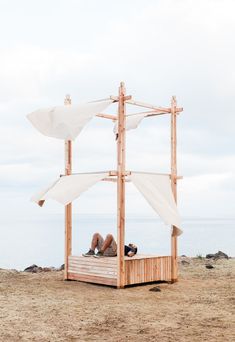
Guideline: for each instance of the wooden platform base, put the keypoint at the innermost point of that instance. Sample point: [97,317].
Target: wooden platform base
[138,269]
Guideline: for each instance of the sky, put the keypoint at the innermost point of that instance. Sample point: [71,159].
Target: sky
[86,48]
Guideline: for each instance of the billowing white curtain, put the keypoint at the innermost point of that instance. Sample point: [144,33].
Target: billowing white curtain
[157,191]
[132,121]
[67,188]
[66,122]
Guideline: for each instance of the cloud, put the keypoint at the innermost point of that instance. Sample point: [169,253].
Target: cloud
[160,49]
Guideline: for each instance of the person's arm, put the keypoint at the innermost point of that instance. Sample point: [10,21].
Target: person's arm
[130,254]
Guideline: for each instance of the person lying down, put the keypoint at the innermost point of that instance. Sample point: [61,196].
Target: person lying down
[107,247]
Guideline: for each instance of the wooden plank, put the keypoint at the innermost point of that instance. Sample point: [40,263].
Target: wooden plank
[174,267]
[156,108]
[94,261]
[104,268]
[90,268]
[93,279]
[107,116]
[113,260]
[146,270]
[94,273]
[101,265]
[68,208]
[121,186]
[93,270]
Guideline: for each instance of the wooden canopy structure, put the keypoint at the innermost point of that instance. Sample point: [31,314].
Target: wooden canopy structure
[121,271]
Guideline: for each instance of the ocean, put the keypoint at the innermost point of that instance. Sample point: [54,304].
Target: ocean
[40,240]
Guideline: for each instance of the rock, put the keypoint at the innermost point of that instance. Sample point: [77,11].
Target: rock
[185,262]
[33,269]
[218,255]
[210,256]
[155,289]
[209,267]
[61,268]
[183,256]
[48,269]
[221,255]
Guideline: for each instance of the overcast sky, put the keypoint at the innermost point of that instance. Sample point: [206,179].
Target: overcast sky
[85,48]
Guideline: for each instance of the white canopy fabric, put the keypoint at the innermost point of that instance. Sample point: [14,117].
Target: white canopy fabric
[157,191]
[66,122]
[155,188]
[132,121]
[67,188]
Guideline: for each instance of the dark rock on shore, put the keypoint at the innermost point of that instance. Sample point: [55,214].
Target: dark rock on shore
[209,267]
[36,269]
[155,289]
[218,255]
[33,269]
[185,262]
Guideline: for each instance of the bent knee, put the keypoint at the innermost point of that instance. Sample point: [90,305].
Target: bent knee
[96,235]
[109,236]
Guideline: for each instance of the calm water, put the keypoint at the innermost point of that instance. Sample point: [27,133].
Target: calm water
[41,240]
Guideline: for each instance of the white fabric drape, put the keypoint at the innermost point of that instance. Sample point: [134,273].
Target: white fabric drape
[132,121]
[67,188]
[157,191]
[66,122]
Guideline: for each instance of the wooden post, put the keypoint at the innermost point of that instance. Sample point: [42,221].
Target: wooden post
[68,208]
[121,187]
[174,263]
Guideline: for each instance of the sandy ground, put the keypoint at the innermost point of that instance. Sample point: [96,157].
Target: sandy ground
[43,307]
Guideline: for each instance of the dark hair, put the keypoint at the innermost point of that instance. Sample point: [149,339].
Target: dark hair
[134,248]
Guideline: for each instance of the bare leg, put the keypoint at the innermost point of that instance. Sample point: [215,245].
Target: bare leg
[95,239]
[107,242]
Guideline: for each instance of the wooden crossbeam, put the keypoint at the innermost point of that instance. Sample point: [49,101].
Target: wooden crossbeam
[116,98]
[114,180]
[147,105]
[107,116]
[113,173]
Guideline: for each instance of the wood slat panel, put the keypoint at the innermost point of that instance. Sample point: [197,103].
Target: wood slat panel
[138,269]
[93,279]
[107,267]
[95,274]
[90,269]
[144,270]
[104,260]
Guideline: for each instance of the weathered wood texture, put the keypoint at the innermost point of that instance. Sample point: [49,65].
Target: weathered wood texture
[121,158]
[138,269]
[68,208]
[147,269]
[174,247]
[93,270]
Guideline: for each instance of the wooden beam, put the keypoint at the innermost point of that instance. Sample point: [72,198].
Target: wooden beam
[158,109]
[114,98]
[114,180]
[107,116]
[147,105]
[68,208]
[174,247]
[115,173]
[124,98]
[128,97]
[121,187]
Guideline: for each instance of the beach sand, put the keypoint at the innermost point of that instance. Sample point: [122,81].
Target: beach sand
[43,307]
